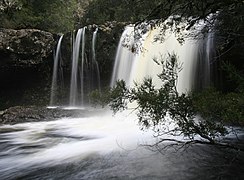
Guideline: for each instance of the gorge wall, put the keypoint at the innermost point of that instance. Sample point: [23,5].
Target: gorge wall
[26,62]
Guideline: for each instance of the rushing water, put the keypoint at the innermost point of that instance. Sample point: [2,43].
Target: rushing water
[101,146]
[74,72]
[125,58]
[85,74]
[27,146]
[56,66]
[194,55]
[95,67]
[206,57]
[82,68]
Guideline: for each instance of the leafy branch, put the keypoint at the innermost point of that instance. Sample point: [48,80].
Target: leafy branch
[170,113]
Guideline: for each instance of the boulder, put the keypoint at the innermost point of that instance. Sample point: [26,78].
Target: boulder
[25,47]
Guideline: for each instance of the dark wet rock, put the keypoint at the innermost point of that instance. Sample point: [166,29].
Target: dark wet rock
[22,114]
[25,47]
[26,57]
[107,42]
[26,63]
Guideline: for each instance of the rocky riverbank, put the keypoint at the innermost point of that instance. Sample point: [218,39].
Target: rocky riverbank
[23,114]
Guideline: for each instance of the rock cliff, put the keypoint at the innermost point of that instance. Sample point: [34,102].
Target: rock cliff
[25,66]
[26,62]
[25,47]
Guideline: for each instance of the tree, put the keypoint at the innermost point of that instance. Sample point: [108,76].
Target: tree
[130,11]
[9,6]
[198,117]
[54,16]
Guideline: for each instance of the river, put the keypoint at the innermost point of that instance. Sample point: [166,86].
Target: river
[103,146]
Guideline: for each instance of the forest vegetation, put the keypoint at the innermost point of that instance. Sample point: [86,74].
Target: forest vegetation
[57,16]
[220,105]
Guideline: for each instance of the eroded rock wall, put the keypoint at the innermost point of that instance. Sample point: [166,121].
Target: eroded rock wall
[25,66]
[26,62]
[25,47]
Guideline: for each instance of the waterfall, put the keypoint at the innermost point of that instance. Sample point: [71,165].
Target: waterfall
[130,67]
[74,70]
[125,58]
[86,68]
[55,73]
[210,54]
[205,54]
[82,67]
[94,61]
[94,37]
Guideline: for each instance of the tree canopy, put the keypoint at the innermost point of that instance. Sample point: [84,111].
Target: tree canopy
[53,16]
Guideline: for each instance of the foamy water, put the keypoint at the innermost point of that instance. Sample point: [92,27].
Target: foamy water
[100,146]
[67,140]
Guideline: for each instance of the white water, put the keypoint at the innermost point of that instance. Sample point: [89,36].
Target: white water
[94,61]
[97,147]
[82,67]
[30,145]
[85,74]
[124,59]
[77,88]
[131,67]
[94,38]
[74,71]
[206,56]
[55,73]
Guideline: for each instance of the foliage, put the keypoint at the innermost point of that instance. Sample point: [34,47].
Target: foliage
[218,107]
[54,16]
[222,107]
[101,11]
[10,6]
[168,112]
[234,75]
[114,96]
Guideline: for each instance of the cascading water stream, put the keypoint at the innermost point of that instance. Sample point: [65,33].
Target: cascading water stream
[125,58]
[140,66]
[82,78]
[74,70]
[55,73]
[94,61]
[85,75]
[210,54]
